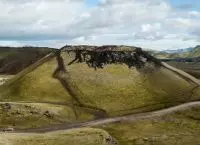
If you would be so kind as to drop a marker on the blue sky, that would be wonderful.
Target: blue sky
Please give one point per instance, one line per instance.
(155, 24)
(187, 4)
(92, 2)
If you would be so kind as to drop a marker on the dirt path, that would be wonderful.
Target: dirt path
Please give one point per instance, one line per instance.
(181, 73)
(134, 117)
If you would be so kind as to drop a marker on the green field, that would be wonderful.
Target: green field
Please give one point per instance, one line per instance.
(86, 136)
(179, 128)
(36, 115)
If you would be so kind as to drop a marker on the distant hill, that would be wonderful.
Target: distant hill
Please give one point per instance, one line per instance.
(195, 52)
(182, 53)
(187, 60)
(15, 59)
(178, 50)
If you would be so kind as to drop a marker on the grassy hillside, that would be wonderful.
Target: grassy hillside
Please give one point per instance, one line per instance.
(67, 87)
(120, 90)
(15, 59)
(195, 52)
(86, 136)
(35, 115)
(179, 128)
(116, 89)
(36, 86)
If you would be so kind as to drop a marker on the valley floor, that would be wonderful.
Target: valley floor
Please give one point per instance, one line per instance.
(175, 125)
(192, 68)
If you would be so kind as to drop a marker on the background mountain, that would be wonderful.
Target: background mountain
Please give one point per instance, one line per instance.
(187, 60)
(179, 53)
(178, 50)
(15, 59)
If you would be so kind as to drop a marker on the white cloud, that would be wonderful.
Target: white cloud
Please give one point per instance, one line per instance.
(150, 27)
(194, 13)
(149, 23)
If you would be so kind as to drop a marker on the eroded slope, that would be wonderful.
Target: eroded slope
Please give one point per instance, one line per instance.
(119, 81)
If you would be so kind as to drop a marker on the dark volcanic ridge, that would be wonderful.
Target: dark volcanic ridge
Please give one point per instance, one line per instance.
(99, 56)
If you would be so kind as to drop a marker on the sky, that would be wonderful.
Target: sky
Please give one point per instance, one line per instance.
(151, 24)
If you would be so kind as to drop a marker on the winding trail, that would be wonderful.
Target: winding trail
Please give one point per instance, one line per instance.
(134, 117)
(181, 73)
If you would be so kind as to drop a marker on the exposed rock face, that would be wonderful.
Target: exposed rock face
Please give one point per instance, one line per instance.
(111, 141)
(8, 129)
(6, 106)
(98, 57)
(3, 79)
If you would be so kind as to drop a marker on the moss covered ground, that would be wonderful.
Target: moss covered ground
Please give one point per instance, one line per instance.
(179, 128)
(36, 115)
(36, 86)
(120, 90)
(86, 136)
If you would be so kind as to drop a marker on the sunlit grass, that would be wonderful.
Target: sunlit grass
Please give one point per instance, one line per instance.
(180, 128)
(85, 136)
(35, 115)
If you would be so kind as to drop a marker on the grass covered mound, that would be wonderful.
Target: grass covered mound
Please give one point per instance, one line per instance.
(179, 128)
(36, 115)
(86, 136)
(35, 85)
(122, 87)
(114, 80)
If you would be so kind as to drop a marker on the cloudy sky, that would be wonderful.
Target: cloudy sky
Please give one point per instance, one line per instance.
(156, 24)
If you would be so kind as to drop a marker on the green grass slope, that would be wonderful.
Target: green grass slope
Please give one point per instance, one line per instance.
(195, 52)
(36, 115)
(36, 86)
(179, 128)
(86, 136)
(120, 90)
